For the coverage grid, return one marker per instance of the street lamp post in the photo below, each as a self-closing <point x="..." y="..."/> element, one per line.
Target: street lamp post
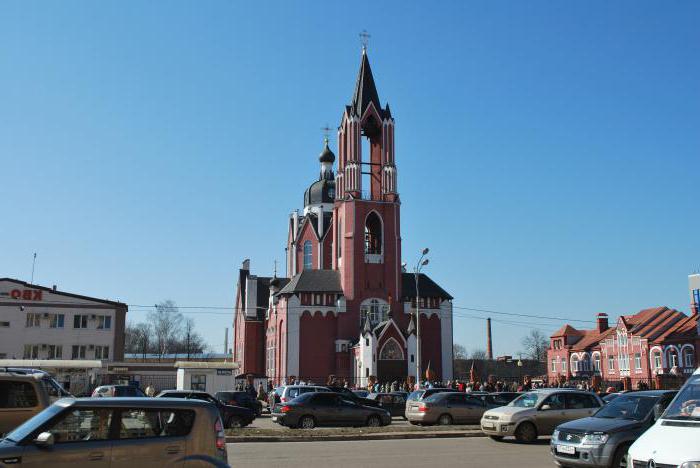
<point x="416" y="272"/>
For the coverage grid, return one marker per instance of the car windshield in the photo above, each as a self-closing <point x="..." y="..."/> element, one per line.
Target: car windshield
<point x="31" y="424"/>
<point x="686" y="405"/>
<point x="628" y="407"/>
<point x="415" y="395"/>
<point x="527" y="400"/>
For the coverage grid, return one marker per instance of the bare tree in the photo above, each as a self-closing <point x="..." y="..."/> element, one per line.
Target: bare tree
<point x="166" y="321"/>
<point x="535" y="345"/>
<point x="191" y="341"/>
<point x="478" y="354"/>
<point x="459" y="351"/>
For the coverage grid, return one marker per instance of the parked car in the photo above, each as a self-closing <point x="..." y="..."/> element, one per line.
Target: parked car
<point x="446" y="408"/>
<point x="237" y="398"/>
<point x="602" y="440"/>
<point x="673" y="439"/>
<point x="395" y="403"/>
<point x="290" y="392"/>
<point x="118" y="391"/>
<point x="361" y="393"/>
<point x="328" y="409"/>
<point x="119" y="432"/>
<point x="537" y="413"/>
<point x="350" y="395"/>
<point x="53" y="388"/>
<point x="232" y="416"/>
<point x="21" y="397"/>
<point x="426" y="392"/>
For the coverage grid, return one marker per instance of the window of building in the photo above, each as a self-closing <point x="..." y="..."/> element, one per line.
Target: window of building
<point x="611" y="363"/>
<point x="672" y="358"/>
<point x="373" y="234"/>
<point x="104" y="322"/>
<point x="696" y="296"/>
<point x="33" y="320"/>
<point x="574" y="364"/>
<point x="554" y="365"/>
<point x="657" y="360"/>
<point x="688" y="357"/>
<point x="318" y="299"/>
<point x="374" y="309"/>
<point x="56" y="320"/>
<point x="330" y="299"/>
<point x="308" y="255"/>
<point x="101" y="352"/>
<point x="391" y="351"/>
<point x="199" y="382"/>
<point x="563" y="365"/>
<point x="340" y="237"/>
<point x="596" y="362"/>
<point x="55" y="352"/>
<point x="80" y="321"/>
<point x="4" y="324"/>
<point x="637" y="361"/>
<point x="31" y="351"/>
<point x="78" y="352"/>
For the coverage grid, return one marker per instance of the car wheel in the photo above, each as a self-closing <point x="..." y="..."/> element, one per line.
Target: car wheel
<point x="526" y="432"/>
<point x="496" y="438"/>
<point x="620" y="458"/>
<point x="234" y="422"/>
<point x="307" y="422"/>
<point x="445" y="420"/>
<point x="374" y="421"/>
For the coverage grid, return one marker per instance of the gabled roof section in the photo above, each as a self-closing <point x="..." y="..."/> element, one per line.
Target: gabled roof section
<point x="426" y="287"/>
<point x="365" y="90"/>
<point x="61" y="293"/>
<point x="566" y="330"/>
<point x="591" y="339"/>
<point x="314" y="281"/>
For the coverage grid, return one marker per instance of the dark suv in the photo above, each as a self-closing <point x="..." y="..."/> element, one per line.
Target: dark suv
<point x="602" y="440"/>
<point x="350" y="395"/>
<point x="232" y="416"/>
<point x="240" y="399"/>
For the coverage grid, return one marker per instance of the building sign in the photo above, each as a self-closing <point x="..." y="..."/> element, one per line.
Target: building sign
<point x="25" y="294"/>
<point x="224" y="372"/>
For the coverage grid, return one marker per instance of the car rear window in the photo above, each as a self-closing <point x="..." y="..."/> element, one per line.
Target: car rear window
<point x="17" y="395"/>
<point x="147" y="423"/>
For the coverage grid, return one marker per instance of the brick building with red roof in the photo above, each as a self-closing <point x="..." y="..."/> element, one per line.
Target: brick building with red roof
<point x="656" y="341"/>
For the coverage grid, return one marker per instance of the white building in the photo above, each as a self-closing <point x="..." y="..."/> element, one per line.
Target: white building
<point x="43" y="323"/>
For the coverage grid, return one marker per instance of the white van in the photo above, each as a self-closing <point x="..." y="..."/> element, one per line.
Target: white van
<point x="673" y="440"/>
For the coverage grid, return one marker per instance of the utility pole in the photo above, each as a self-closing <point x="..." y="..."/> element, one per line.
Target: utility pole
<point x="416" y="273"/>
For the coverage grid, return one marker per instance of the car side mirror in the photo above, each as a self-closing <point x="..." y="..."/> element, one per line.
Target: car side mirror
<point x="545" y="407"/>
<point x="45" y="439"/>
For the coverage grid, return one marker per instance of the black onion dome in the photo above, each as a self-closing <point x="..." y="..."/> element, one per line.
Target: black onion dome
<point x="275" y="282"/>
<point x="321" y="191"/>
<point x="326" y="155"/>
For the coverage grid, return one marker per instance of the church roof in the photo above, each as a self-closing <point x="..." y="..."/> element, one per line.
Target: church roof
<point x="314" y="281"/>
<point x="426" y="287"/>
<point x="365" y="90"/>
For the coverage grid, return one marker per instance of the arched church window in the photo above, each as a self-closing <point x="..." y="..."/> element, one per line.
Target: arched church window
<point x="391" y="351"/>
<point x="308" y="255"/>
<point x="688" y="357"/>
<point x="375" y="310"/>
<point x="672" y="358"/>
<point x="373" y="234"/>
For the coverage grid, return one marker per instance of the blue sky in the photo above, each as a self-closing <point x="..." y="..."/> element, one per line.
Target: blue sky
<point x="547" y="151"/>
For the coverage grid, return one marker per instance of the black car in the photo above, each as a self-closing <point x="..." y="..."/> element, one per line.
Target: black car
<point x="328" y="409"/>
<point x="237" y="398"/>
<point x="232" y="416"/>
<point x="395" y="403"/>
<point x="352" y="396"/>
<point x="602" y="440"/>
<point x="424" y="393"/>
<point x="501" y="398"/>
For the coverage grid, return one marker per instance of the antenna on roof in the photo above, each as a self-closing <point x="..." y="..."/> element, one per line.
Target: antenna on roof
<point x="33" y="265"/>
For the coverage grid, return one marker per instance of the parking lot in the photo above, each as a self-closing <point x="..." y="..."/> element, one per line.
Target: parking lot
<point x="480" y="452"/>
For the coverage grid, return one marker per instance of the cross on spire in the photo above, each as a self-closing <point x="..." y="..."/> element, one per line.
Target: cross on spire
<point x="326" y="133"/>
<point x="275" y="271"/>
<point x="364" y="37"/>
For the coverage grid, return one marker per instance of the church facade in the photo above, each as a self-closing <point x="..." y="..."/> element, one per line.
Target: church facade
<point x="346" y="306"/>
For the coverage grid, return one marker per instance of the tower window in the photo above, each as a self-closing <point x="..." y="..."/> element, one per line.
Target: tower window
<point x="308" y="256"/>
<point x="373" y="234"/>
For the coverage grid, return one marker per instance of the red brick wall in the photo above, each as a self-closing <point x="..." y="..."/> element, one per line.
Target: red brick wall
<point x="431" y="351"/>
<point x="317" y="346"/>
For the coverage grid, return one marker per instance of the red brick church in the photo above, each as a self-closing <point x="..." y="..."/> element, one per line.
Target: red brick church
<point x="347" y="305"/>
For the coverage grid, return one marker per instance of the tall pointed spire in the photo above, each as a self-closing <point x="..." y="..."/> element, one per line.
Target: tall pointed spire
<point x="365" y="89"/>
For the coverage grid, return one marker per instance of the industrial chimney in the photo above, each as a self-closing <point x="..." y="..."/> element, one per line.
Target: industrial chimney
<point x="489" y="345"/>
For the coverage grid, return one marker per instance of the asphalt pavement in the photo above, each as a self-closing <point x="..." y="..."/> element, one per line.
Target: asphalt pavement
<point x="479" y="452"/>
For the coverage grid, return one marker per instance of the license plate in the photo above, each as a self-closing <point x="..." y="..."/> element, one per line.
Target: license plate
<point x="274" y="419"/>
<point x="488" y="425"/>
<point x="567" y="449"/>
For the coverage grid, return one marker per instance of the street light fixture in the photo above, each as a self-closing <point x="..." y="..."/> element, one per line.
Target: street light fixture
<point x="416" y="272"/>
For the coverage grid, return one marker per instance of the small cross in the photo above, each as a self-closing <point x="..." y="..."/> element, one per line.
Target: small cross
<point x="364" y="37"/>
<point x="326" y="132"/>
<point x="275" y="274"/>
